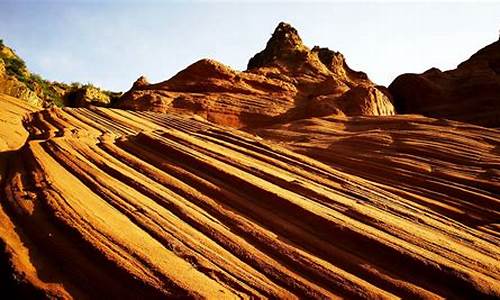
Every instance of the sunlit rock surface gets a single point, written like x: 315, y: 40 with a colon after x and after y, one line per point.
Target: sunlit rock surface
x: 113, y: 203
x: 285, y: 81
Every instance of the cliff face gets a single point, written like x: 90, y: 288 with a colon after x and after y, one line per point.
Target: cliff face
x: 469, y: 93
x: 285, y: 81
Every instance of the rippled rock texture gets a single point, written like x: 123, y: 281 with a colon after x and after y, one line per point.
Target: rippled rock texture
x: 113, y: 203
x: 291, y: 180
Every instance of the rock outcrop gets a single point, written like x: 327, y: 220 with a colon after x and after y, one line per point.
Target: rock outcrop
x: 88, y: 95
x: 17, y: 81
x: 324, y: 194
x: 469, y: 93
x: 283, y: 82
x: 12, y: 132
x: 10, y: 84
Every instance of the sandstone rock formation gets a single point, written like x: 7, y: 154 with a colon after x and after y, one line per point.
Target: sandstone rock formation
x: 285, y: 81
x: 12, y: 133
x: 469, y: 93
x: 17, y: 81
x: 324, y: 193
x: 9, y: 84
x: 151, y: 205
x: 448, y: 166
x: 87, y: 95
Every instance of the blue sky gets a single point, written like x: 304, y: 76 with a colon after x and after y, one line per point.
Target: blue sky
x: 112, y: 43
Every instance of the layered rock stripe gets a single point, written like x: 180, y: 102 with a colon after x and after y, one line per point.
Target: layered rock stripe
x: 292, y: 179
x: 105, y: 202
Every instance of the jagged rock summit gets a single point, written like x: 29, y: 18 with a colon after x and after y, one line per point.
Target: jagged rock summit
x: 140, y: 82
x: 286, y: 51
x: 470, y: 93
x: 285, y: 45
x: 283, y: 82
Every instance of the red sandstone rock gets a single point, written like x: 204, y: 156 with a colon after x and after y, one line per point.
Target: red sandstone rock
x: 469, y: 93
x: 284, y: 81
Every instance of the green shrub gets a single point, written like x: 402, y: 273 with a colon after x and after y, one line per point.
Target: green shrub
x: 58, y: 101
x: 90, y: 85
x: 37, y: 78
x: 75, y: 85
x: 55, y: 92
x: 15, y: 66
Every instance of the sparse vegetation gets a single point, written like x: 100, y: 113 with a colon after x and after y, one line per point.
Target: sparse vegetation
x: 48, y: 92
x: 57, y: 93
x: 15, y: 67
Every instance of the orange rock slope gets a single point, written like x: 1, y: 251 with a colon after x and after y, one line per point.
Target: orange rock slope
x: 112, y: 203
x: 292, y: 179
x: 451, y: 167
x: 12, y: 133
x: 285, y: 81
x: 470, y: 93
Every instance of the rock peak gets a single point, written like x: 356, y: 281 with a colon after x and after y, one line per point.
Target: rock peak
x: 141, y: 82
x: 284, y: 40
x: 285, y: 81
x: 284, y: 36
